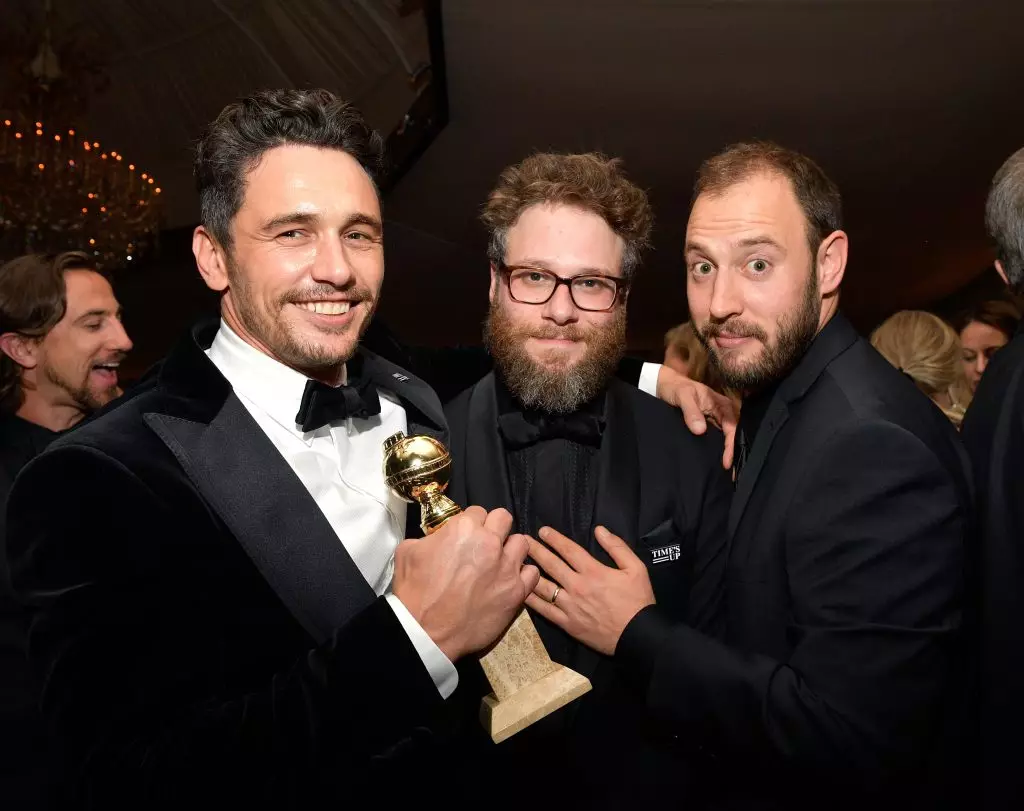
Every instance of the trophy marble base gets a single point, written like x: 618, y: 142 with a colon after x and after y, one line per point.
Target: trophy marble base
x: 527, y: 684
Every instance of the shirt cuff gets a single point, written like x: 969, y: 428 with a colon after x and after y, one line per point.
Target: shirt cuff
x: 648, y: 382
x: 443, y: 672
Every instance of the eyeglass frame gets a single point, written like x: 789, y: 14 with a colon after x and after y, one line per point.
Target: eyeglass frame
x: 621, y: 285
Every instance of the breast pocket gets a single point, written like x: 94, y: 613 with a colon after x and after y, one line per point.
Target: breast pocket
x: 668, y: 556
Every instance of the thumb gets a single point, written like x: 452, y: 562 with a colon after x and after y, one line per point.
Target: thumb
x: 616, y: 548
x: 530, y: 577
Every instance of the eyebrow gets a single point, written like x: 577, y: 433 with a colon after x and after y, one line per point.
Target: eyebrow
x: 540, y: 264
x: 98, y: 313
x: 748, y: 242
x: 313, y: 219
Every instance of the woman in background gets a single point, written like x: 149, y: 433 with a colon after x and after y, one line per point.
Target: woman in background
x: 986, y: 329
x: 928, y: 351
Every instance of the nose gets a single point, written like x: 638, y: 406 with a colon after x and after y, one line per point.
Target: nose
x: 332, y: 265
x: 119, y: 338
x: 980, y: 365
x: 560, y: 308
x: 725, y: 301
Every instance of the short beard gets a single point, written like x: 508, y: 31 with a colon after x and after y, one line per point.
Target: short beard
x: 560, y: 389
x: 795, y: 335
x: 85, y: 398
x: 273, y: 333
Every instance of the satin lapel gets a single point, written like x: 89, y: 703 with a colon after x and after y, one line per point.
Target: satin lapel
x: 617, y: 503
x: 422, y: 406
x: 251, y: 488
x: 486, y: 471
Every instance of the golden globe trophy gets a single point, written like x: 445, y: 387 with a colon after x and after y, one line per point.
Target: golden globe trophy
x: 527, y: 685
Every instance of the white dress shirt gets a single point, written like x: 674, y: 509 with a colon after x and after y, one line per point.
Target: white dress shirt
x: 649, y: 378
x: 341, y: 466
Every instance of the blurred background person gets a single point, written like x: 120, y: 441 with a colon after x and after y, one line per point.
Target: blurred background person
x: 61, y: 342
x: 927, y: 350
x: 985, y: 329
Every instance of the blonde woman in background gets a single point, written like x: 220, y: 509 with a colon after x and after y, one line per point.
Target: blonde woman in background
x: 927, y: 350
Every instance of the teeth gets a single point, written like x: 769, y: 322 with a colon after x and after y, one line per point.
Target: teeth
x: 326, y: 307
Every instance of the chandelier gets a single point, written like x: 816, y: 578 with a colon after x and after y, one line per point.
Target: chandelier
x: 60, y: 190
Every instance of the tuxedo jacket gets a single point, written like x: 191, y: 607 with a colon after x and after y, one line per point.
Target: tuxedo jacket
x: 993, y: 432
x: 663, y: 491
x: 201, y: 635
x: 841, y: 672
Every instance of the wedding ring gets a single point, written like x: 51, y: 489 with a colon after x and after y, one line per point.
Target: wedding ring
x: 554, y: 594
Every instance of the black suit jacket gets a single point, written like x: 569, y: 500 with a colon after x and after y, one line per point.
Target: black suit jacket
x: 202, y: 636
x: 23, y: 755
x: 993, y: 432
x: 663, y: 490
x: 844, y: 594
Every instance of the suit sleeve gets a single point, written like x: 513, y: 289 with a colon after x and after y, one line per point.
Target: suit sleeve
x: 874, y: 556
x: 136, y: 697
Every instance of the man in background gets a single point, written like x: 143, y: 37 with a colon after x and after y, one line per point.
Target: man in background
x: 61, y: 341
x: 993, y: 432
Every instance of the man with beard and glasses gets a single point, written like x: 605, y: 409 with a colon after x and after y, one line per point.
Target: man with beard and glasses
x: 839, y: 679
x: 61, y: 341
x: 553, y: 436
x: 226, y: 614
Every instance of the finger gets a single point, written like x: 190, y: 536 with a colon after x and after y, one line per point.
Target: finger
x: 545, y: 589
x: 550, y: 612
x: 530, y: 575
x: 730, y: 445
x: 476, y: 514
x: 552, y: 565
x: 499, y: 522
x: 570, y: 551
x: 693, y: 413
x: 617, y: 549
x: 515, y: 550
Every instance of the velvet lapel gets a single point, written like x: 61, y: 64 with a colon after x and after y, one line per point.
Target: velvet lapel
x: 252, y: 489
x: 485, y: 480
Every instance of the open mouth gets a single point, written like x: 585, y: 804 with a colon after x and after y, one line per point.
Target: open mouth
x: 325, y: 307
x: 107, y: 372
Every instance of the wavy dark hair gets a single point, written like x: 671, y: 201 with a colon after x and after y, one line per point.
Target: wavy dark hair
x: 233, y: 144
x: 33, y: 299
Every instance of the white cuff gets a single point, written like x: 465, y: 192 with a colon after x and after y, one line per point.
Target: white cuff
x: 649, y: 379
x: 443, y: 672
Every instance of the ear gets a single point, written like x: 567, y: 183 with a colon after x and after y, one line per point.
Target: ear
x: 210, y: 259
x: 22, y: 350
x: 832, y: 256
x: 1001, y: 271
x: 493, y: 291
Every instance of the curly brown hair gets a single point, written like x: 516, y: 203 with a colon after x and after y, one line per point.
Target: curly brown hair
x: 590, y: 181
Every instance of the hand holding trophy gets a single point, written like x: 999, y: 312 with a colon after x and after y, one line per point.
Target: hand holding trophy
x: 527, y: 684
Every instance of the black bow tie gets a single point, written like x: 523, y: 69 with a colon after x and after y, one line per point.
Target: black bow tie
x: 521, y: 430
x: 322, y: 404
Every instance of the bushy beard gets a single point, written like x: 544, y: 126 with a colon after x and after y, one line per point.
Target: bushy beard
x: 556, y: 387
x: 795, y: 335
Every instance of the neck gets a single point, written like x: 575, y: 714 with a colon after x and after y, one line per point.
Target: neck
x: 53, y: 416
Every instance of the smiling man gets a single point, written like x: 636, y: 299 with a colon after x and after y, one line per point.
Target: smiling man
x: 839, y: 678
x: 245, y: 628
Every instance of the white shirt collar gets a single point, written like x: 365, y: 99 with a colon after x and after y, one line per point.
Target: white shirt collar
x: 273, y: 387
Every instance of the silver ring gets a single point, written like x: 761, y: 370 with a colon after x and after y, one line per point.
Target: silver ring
x: 554, y: 594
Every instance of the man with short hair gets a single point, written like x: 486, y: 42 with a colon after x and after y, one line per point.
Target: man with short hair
x: 226, y: 614
x: 839, y: 678
x: 61, y: 342
x: 554, y: 437
x: 993, y: 432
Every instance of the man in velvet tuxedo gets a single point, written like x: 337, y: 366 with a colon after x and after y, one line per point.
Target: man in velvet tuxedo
x: 993, y: 432
x: 553, y: 436
x: 839, y: 682
x: 224, y: 614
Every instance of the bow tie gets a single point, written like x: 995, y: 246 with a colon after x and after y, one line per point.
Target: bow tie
x: 520, y: 430
x: 322, y: 404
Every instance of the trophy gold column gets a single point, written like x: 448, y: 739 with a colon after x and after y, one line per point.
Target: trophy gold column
x: 527, y: 684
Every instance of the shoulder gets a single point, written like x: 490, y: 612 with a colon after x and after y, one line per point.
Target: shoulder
x: 660, y: 428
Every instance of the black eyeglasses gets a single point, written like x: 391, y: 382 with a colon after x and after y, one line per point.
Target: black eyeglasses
x: 591, y: 292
